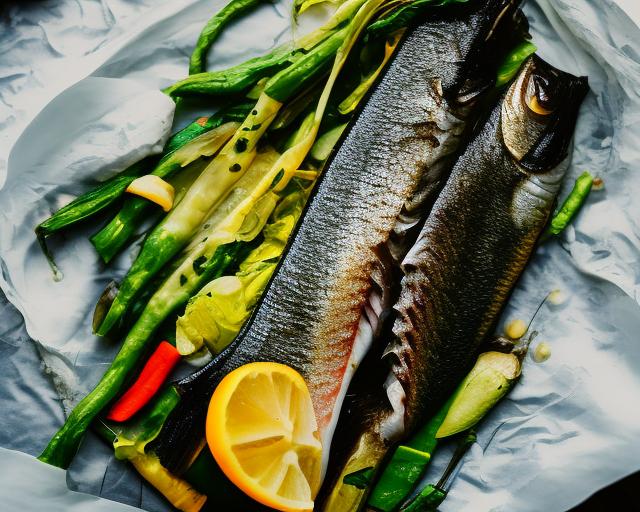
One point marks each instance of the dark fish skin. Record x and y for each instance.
(476, 243)
(328, 292)
(470, 252)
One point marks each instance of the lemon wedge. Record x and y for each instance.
(153, 188)
(262, 431)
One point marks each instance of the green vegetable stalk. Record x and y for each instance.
(571, 205)
(214, 27)
(407, 464)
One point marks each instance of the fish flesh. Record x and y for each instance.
(322, 309)
(470, 252)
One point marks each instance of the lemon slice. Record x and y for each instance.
(153, 188)
(262, 431)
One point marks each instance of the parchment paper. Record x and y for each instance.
(79, 100)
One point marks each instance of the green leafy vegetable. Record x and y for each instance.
(513, 62)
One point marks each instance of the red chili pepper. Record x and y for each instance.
(152, 376)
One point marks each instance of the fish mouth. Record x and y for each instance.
(539, 115)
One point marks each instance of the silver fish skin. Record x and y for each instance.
(474, 245)
(321, 311)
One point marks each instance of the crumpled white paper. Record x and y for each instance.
(570, 427)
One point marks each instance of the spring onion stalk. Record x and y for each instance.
(214, 27)
(114, 236)
(242, 77)
(175, 230)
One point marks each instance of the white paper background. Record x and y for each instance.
(570, 427)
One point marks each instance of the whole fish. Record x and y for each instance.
(471, 250)
(323, 306)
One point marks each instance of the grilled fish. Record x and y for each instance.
(323, 306)
(471, 250)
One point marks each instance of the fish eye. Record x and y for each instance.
(539, 96)
(536, 106)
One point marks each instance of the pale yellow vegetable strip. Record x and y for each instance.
(351, 102)
(179, 493)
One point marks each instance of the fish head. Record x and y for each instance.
(537, 121)
(539, 114)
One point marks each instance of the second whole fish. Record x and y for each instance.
(470, 252)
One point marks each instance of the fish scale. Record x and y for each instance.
(378, 185)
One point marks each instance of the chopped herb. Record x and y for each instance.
(183, 280)
(235, 167)
(197, 265)
(254, 112)
(277, 179)
(208, 294)
(241, 145)
(205, 239)
(256, 127)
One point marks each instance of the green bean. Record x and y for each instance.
(571, 205)
(234, 80)
(214, 28)
(112, 238)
